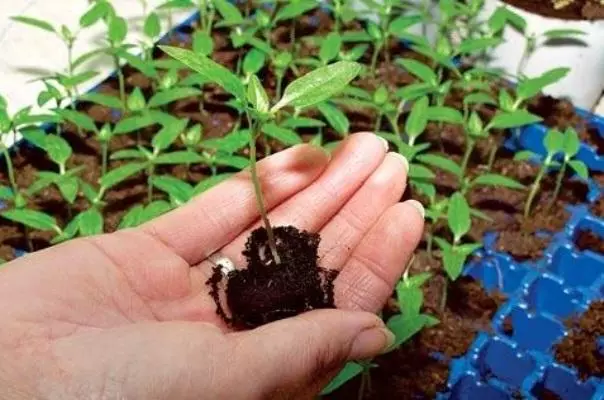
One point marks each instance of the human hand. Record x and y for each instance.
(127, 315)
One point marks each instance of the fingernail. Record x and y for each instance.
(371, 342)
(384, 142)
(418, 206)
(403, 160)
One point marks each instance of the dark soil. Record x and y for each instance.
(579, 348)
(542, 393)
(419, 368)
(266, 291)
(588, 240)
(576, 10)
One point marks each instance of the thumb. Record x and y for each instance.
(296, 357)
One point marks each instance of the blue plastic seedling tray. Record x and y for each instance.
(541, 295)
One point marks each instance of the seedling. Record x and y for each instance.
(306, 91)
(407, 323)
(555, 142)
(455, 253)
(504, 16)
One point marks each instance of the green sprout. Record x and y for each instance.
(314, 87)
(455, 253)
(555, 142)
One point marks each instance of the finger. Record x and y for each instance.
(314, 206)
(345, 230)
(213, 219)
(292, 358)
(369, 275)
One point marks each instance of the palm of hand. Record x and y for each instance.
(106, 315)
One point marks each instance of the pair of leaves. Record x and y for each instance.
(310, 89)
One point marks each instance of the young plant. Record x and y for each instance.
(455, 253)
(555, 142)
(504, 16)
(306, 91)
(390, 24)
(405, 324)
(158, 154)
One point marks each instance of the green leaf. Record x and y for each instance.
(335, 117)
(78, 79)
(210, 182)
(580, 168)
(513, 119)
(144, 66)
(295, 9)
(136, 101)
(132, 218)
(69, 186)
(32, 219)
(553, 141)
(302, 122)
(528, 88)
(441, 162)
(102, 99)
(318, 85)
(356, 52)
(98, 11)
(117, 30)
(69, 231)
(152, 26)
(179, 157)
(209, 69)
(203, 43)
(418, 171)
(475, 45)
(179, 190)
(571, 144)
(563, 33)
(453, 262)
(497, 180)
(479, 98)
(350, 370)
(458, 216)
(77, 118)
(523, 155)
(257, 96)
(91, 222)
(168, 96)
(404, 328)
(253, 61)
(285, 136)
(444, 114)
(133, 123)
(230, 143)
(38, 23)
(410, 299)
(419, 69)
(330, 47)
(232, 161)
(120, 174)
(399, 26)
(57, 148)
(418, 118)
(126, 154)
(154, 210)
(228, 11)
(168, 134)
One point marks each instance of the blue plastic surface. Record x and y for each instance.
(518, 363)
